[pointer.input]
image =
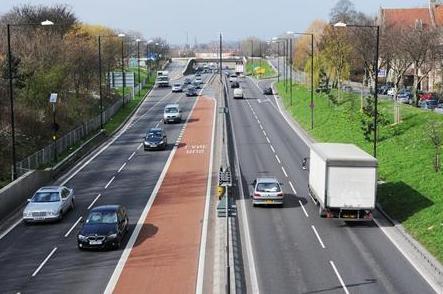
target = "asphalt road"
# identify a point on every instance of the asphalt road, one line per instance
(294, 250)
(123, 173)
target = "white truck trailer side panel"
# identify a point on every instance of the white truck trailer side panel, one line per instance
(317, 176)
(351, 187)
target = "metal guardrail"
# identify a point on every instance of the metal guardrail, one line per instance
(46, 154)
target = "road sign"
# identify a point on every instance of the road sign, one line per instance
(53, 98)
(382, 73)
(224, 177)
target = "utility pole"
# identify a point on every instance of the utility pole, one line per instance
(221, 58)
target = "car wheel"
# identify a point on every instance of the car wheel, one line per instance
(72, 204)
(60, 216)
(26, 223)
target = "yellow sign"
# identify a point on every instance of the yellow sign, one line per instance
(221, 191)
(259, 70)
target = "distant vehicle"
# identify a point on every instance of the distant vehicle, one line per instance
(177, 87)
(238, 93)
(383, 90)
(227, 74)
(267, 91)
(404, 97)
(439, 109)
(428, 104)
(391, 91)
(164, 73)
(49, 203)
(233, 78)
(198, 79)
(428, 96)
(196, 84)
(187, 81)
(235, 85)
(172, 113)
(105, 227)
(191, 91)
(267, 191)
(155, 139)
(342, 181)
(239, 68)
(346, 88)
(162, 81)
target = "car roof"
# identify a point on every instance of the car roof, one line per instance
(50, 188)
(155, 130)
(266, 180)
(172, 105)
(106, 207)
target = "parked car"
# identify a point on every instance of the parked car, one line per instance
(267, 191)
(235, 85)
(428, 104)
(191, 91)
(439, 109)
(155, 139)
(428, 96)
(267, 91)
(105, 227)
(49, 203)
(177, 87)
(172, 113)
(346, 88)
(404, 96)
(238, 93)
(391, 91)
(383, 90)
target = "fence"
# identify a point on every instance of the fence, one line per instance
(46, 155)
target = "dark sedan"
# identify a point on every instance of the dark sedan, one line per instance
(105, 227)
(235, 84)
(155, 139)
(191, 91)
(267, 91)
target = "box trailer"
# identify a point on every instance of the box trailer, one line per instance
(342, 181)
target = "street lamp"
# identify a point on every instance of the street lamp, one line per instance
(122, 36)
(138, 63)
(11, 90)
(277, 41)
(377, 29)
(290, 37)
(148, 58)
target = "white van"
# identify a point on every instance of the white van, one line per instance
(238, 93)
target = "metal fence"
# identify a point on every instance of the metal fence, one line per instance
(46, 155)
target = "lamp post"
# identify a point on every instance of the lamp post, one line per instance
(11, 90)
(375, 65)
(148, 58)
(138, 63)
(123, 68)
(290, 37)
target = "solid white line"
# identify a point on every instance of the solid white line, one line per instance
(284, 171)
(204, 236)
(318, 237)
(267, 139)
(44, 262)
(278, 159)
(272, 148)
(264, 133)
(73, 226)
(95, 200)
(121, 167)
(139, 146)
(339, 277)
(261, 127)
(10, 228)
(124, 257)
(303, 207)
(292, 187)
(132, 155)
(109, 183)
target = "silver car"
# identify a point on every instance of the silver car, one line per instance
(267, 191)
(172, 113)
(49, 204)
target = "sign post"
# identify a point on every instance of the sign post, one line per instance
(55, 126)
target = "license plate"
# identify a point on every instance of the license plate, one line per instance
(269, 201)
(152, 145)
(92, 242)
(39, 218)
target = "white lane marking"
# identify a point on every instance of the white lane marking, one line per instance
(318, 237)
(284, 171)
(110, 181)
(204, 236)
(261, 127)
(122, 167)
(264, 133)
(272, 148)
(11, 228)
(278, 159)
(339, 277)
(93, 201)
(139, 146)
(73, 226)
(124, 257)
(267, 139)
(44, 262)
(156, 125)
(132, 155)
(303, 207)
(292, 187)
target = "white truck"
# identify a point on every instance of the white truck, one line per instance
(162, 78)
(342, 181)
(239, 68)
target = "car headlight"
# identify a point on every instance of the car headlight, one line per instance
(27, 213)
(112, 236)
(53, 212)
(161, 142)
(82, 238)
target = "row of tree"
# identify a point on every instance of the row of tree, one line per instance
(61, 58)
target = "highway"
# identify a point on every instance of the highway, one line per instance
(293, 249)
(44, 258)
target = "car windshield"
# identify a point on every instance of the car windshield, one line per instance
(102, 217)
(46, 197)
(171, 110)
(154, 134)
(268, 187)
(177, 85)
(162, 78)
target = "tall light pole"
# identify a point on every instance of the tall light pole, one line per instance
(123, 69)
(138, 63)
(148, 58)
(221, 57)
(11, 89)
(375, 66)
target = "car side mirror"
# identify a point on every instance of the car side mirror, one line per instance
(29, 199)
(82, 221)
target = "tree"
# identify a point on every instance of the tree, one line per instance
(435, 135)
(343, 11)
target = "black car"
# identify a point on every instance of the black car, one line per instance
(191, 91)
(105, 227)
(235, 85)
(187, 81)
(267, 91)
(155, 139)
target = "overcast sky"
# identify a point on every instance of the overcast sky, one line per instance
(204, 19)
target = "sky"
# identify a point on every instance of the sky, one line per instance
(203, 20)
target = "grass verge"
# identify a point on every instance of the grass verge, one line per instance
(260, 62)
(413, 192)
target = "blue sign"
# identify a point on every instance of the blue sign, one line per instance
(152, 56)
